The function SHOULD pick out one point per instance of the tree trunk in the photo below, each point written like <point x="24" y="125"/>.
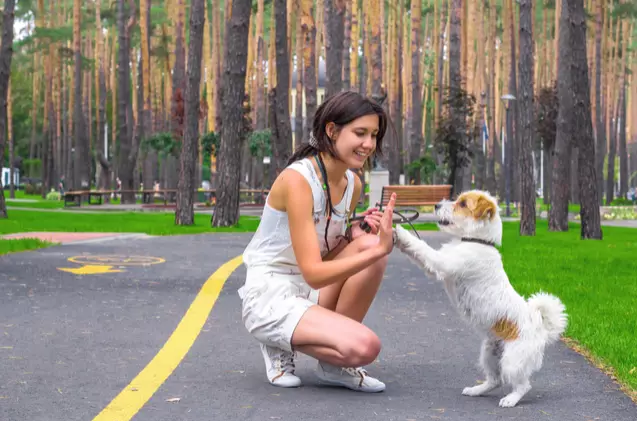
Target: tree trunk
<point x="6" y="54"/>
<point x="579" y="113"/>
<point x="298" y="103"/>
<point x="527" y="108"/>
<point x="455" y="86"/>
<point x="127" y="150"/>
<point x="282" y="133"/>
<point x="232" y="134"/>
<point x="548" y="164"/>
<point x="493" y="133"/>
<point x="185" y="214"/>
<point x="309" y="63"/>
<point x="415" y="122"/>
<point x="82" y="153"/>
<point x="12" y="143"/>
<point x="515" y="112"/>
<point x="623" y="153"/>
<point x="600" y="129"/>
<point x="558" y="213"/>
<point x="334" y="34"/>
<point x="145" y="116"/>
<point x="612" y="154"/>
<point x="347" y="43"/>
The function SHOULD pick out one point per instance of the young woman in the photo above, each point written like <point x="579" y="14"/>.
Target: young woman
<point x="311" y="277"/>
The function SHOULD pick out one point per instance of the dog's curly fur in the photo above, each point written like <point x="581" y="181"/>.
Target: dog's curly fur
<point x="516" y="331"/>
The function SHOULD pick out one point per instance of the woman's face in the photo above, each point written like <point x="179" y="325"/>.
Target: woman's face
<point x="356" y="141"/>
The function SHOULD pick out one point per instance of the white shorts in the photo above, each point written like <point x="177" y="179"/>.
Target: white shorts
<point x="274" y="300"/>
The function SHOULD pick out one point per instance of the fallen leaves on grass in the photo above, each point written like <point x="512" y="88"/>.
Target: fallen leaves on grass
<point x="597" y="362"/>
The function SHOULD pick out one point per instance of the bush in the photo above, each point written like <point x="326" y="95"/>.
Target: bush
<point x="31" y="189"/>
<point x="620" y="201"/>
<point x="53" y="195"/>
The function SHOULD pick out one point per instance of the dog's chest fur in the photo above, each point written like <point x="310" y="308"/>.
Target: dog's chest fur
<point x="477" y="279"/>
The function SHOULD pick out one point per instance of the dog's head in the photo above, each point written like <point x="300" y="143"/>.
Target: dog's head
<point x="473" y="214"/>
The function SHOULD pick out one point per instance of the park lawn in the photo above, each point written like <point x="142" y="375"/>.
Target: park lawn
<point x="21" y="244"/>
<point x="159" y="223"/>
<point x="596" y="280"/>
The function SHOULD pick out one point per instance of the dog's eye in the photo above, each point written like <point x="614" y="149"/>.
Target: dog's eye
<point x="462" y="204"/>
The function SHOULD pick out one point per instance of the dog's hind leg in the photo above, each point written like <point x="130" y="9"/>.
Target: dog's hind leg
<point x="517" y="365"/>
<point x="490" y="355"/>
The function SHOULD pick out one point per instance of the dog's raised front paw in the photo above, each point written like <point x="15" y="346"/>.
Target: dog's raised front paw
<point x="403" y="237"/>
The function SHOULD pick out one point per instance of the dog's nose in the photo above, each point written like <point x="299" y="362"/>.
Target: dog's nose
<point x="437" y="206"/>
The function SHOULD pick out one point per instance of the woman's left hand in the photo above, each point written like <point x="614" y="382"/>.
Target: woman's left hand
<point x="372" y="217"/>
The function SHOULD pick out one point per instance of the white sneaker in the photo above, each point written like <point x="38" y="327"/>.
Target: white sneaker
<point x="352" y="378"/>
<point x="279" y="365"/>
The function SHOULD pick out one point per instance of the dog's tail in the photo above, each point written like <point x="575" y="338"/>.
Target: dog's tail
<point x="552" y="312"/>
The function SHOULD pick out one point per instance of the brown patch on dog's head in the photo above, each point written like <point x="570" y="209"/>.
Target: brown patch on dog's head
<point x="505" y="329"/>
<point x="475" y="205"/>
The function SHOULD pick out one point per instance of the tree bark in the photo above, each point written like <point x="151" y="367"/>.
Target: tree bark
<point x="232" y="134"/>
<point x="623" y="152"/>
<point x="600" y="127"/>
<point x="334" y="34"/>
<point x="347" y="43"/>
<point x="11" y="140"/>
<point x="558" y="213"/>
<point x="612" y="154"/>
<point x="415" y="122"/>
<point x="298" y="103"/>
<point x="82" y="153"/>
<point x="309" y="63"/>
<point x="128" y="147"/>
<point x="282" y="133"/>
<point x="527" y="108"/>
<point x="184" y="214"/>
<point x="455" y="86"/>
<point x="6" y="54"/>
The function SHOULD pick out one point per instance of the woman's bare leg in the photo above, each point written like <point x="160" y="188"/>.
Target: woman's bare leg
<point x="325" y="333"/>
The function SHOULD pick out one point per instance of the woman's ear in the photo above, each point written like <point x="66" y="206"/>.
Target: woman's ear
<point x="330" y="130"/>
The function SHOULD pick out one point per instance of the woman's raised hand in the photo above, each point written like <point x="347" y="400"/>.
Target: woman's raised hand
<point x="385" y="230"/>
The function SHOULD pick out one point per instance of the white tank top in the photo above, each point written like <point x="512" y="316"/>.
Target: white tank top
<point x="271" y="244"/>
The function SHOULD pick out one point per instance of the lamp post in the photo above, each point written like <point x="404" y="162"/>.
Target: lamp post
<point x="508" y="167"/>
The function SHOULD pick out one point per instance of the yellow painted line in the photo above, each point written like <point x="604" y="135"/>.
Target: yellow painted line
<point x="133" y="397"/>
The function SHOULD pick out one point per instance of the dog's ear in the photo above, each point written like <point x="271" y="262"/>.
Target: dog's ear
<point x="485" y="209"/>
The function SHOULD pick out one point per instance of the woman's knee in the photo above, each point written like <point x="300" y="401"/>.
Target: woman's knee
<point x="368" y="241"/>
<point x="363" y="349"/>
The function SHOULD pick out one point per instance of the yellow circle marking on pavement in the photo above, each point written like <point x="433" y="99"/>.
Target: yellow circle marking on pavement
<point x="135" y="395"/>
<point x="116" y="260"/>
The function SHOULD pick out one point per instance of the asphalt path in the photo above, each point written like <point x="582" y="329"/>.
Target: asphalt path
<point x="72" y="341"/>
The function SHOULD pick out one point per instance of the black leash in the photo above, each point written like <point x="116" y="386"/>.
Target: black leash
<point x="403" y="220"/>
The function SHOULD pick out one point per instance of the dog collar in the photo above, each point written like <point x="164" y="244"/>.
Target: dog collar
<point x="477" y="240"/>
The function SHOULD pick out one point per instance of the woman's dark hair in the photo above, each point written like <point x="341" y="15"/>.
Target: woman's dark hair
<point x="340" y="109"/>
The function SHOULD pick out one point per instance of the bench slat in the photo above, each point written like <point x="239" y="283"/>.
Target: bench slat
<point x="418" y="195"/>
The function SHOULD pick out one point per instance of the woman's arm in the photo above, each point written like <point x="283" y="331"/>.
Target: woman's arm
<point x="297" y="196"/>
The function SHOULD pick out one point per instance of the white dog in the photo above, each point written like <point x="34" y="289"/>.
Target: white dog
<point x="515" y="331"/>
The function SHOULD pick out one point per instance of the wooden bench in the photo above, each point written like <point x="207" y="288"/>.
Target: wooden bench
<point x="415" y="195"/>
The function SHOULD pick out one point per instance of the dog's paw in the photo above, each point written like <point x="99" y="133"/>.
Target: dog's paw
<point x="403" y="237"/>
<point x="473" y="391"/>
<point x="509" y="401"/>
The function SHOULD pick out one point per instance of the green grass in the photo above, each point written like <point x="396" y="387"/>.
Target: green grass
<point x="596" y="280"/>
<point x="159" y="223"/>
<point x="22" y="244"/>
